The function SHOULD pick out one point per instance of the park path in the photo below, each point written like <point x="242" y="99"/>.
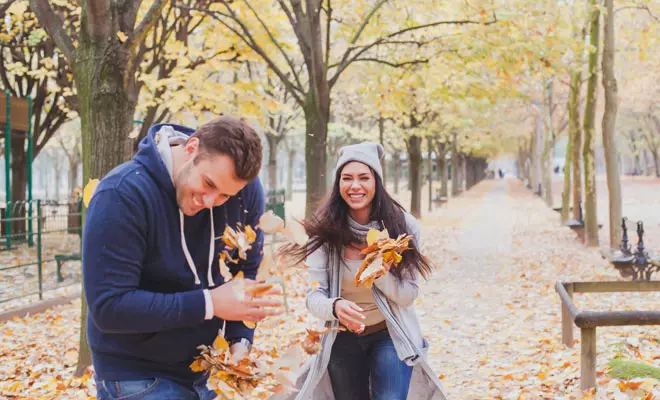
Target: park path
<point x="461" y="297"/>
<point x="490" y="310"/>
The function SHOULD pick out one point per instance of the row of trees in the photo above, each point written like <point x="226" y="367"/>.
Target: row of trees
<point x="580" y="118"/>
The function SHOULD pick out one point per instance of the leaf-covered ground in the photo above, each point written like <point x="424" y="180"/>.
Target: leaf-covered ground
<point x="490" y="311"/>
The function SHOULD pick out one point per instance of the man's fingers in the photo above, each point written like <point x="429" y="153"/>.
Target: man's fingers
<point x="257" y="314"/>
<point x="265" y="302"/>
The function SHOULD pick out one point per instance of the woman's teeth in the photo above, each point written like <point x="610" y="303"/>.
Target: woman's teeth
<point x="196" y="202"/>
<point x="356" y="196"/>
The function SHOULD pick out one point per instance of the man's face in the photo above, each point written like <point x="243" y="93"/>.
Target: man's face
<point x="205" y="180"/>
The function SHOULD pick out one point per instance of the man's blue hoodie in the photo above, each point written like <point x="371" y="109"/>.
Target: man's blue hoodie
<point x="146" y="313"/>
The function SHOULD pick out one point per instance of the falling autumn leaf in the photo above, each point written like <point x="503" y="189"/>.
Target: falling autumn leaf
<point x="239" y="239"/>
<point x="89" y="190"/>
<point x="271" y="223"/>
<point x="122" y="36"/>
<point x="312" y="342"/>
<point x="295" y="232"/>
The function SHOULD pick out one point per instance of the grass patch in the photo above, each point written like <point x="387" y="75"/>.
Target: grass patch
<point x="626" y="370"/>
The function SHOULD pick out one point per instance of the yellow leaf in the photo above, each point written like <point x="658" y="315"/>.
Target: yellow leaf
<point x="250" y="324"/>
<point x="220" y="343"/>
<point x="196" y="366"/>
<point x="90" y="188"/>
<point x="372" y="236"/>
<point x="122" y="36"/>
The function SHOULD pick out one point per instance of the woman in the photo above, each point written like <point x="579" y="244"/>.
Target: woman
<point x="381" y="354"/>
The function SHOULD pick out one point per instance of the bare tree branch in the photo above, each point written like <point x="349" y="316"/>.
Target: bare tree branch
<point x="54" y="26"/>
<point x="346" y="61"/>
<point x="275" y="42"/>
<point x="390" y="63"/>
<point x="148" y="21"/>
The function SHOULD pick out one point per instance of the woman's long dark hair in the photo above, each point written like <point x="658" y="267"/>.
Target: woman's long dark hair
<point x="329" y="227"/>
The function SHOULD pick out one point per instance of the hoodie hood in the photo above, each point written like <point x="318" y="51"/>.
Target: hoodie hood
<point x="149" y="155"/>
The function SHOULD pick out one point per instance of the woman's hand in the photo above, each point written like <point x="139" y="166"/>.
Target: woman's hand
<point x="350" y="315"/>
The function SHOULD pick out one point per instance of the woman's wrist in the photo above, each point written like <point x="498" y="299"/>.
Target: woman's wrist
<point x="334" y="304"/>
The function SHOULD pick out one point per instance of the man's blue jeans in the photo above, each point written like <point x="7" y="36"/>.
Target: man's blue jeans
<point x="152" y="389"/>
<point x="356" y="361"/>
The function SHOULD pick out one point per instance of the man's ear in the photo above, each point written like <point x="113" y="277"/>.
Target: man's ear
<point x="191" y="147"/>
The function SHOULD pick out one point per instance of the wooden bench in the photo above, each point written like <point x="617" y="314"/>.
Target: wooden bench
<point x="439" y="199"/>
<point x="588" y="321"/>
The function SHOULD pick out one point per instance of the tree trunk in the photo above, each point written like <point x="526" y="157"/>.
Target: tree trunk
<point x="58" y="174"/>
<point x="656" y="163"/>
<point x="463" y="172"/>
<point x="455" y="189"/>
<point x="107" y="104"/>
<point x="316" y="118"/>
<point x="414" y="145"/>
<point x="397" y="170"/>
<point x="73" y="175"/>
<point x="590" y="210"/>
<point x="444" y="177"/>
<point x="548" y="147"/>
<point x="609" y="126"/>
<point x="381" y="136"/>
<point x="575" y="138"/>
<point x="289" y="182"/>
<point x="18" y="186"/>
<point x="430" y="164"/>
<point x="273" y="141"/>
<point x="566" y="192"/>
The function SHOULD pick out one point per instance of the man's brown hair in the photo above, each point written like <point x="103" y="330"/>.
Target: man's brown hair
<point x="235" y="138"/>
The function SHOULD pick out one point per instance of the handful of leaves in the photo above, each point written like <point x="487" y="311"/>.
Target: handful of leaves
<point x="382" y="253"/>
<point x="232" y="380"/>
<point x="228" y="379"/>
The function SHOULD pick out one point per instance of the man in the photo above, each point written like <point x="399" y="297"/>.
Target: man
<point x="150" y="259"/>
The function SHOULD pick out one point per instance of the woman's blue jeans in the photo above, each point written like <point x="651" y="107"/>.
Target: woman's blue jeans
<point x="367" y="367"/>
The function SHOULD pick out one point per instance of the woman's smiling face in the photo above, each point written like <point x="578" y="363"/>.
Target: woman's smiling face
<point x="357" y="185"/>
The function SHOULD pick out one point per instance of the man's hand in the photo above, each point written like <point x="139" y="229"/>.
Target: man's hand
<point x="232" y="305"/>
<point x="238" y="352"/>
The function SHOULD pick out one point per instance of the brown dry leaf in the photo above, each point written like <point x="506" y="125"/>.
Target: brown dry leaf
<point x="312" y="342"/>
<point x="295" y="232"/>
<point x="372" y="271"/>
<point x="227" y="378"/>
<point x="239" y="239"/>
<point x="382" y="254"/>
<point x="271" y="223"/>
<point x="224" y="269"/>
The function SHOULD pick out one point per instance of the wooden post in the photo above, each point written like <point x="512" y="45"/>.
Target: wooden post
<point x="567" y="321"/>
<point x="588" y="359"/>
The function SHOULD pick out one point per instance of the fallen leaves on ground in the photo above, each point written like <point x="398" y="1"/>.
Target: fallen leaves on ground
<point x="489" y="311"/>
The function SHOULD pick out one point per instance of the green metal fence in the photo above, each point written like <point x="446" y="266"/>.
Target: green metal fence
<point x="40" y="247"/>
<point x="275" y="201"/>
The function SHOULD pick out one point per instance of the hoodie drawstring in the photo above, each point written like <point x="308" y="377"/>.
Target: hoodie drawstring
<point x="191" y="263"/>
